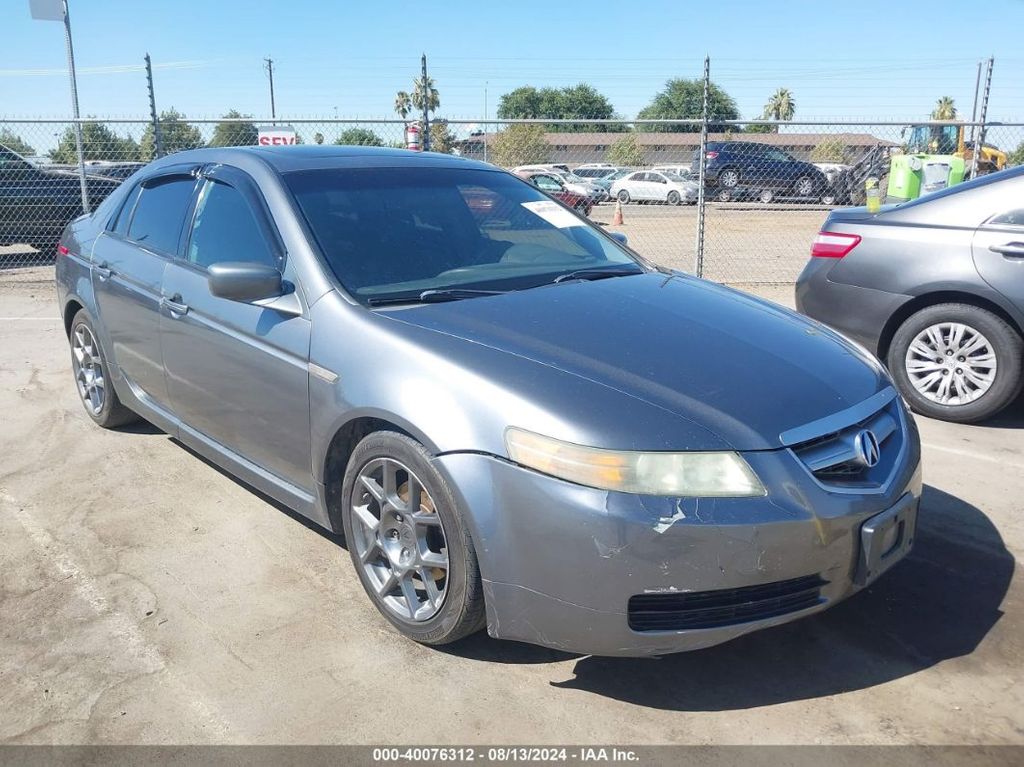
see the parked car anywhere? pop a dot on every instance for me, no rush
(651, 186)
(553, 186)
(595, 174)
(935, 287)
(732, 164)
(683, 171)
(36, 203)
(575, 184)
(606, 181)
(472, 395)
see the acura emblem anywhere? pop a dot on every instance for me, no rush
(865, 445)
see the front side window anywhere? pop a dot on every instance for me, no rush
(395, 232)
(160, 212)
(225, 229)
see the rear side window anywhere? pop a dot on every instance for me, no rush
(1010, 218)
(160, 212)
(226, 229)
(125, 215)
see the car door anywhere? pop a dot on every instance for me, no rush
(658, 185)
(237, 373)
(998, 250)
(128, 262)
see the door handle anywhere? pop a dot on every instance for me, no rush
(103, 271)
(173, 304)
(1009, 249)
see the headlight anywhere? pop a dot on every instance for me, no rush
(705, 474)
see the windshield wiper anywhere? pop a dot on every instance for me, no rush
(435, 296)
(598, 273)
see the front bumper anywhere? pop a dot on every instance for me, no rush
(560, 562)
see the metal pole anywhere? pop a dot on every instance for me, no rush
(974, 107)
(425, 95)
(270, 72)
(158, 149)
(74, 108)
(703, 168)
(979, 142)
(486, 83)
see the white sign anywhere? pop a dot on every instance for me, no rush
(276, 135)
(553, 213)
(46, 10)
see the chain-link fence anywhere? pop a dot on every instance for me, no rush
(767, 186)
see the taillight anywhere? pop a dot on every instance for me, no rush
(833, 244)
(62, 250)
(711, 155)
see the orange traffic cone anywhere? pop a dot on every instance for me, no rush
(617, 218)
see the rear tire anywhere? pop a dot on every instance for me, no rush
(453, 603)
(925, 359)
(804, 187)
(92, 376)
(766, 196)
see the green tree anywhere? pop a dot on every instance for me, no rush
(99, 142)
(683, 99)
(758, 128)
(176, 135)
(577, 101)
(413, 101)
(781, 105)
(626, 151)
(829, 150)
(1016, 157)
(441, 138)
(15, 143)
(945, 109)
(358, 137)
(521, 145)
(235, 133)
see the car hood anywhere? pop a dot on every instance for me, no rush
(745, 369)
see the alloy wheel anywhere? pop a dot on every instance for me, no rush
(729, 178)
(804, 187)
(951, 363)
(88, 368)
(400, 540)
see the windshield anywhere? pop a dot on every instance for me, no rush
(392, 232)
(933, 139)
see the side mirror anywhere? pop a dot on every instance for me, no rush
(620, 236)
(244, 281)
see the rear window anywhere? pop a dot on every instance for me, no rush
(160, 213)
(388, 232)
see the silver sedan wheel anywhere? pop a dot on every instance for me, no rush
(400, 540)
(88, 368)
(951, 363)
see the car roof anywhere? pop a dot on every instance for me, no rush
(316, 157)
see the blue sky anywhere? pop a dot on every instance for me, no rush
(864, 59)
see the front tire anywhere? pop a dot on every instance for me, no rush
(409, 542)
(804, 187)
(92, 376)
(957, 362)
(729, 178)
(766, 196)
(623, 196)
(673, 198)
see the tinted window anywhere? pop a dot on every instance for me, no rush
(225, 229)
(160, 212)
(1010, 218)
(394, 232)
(125, 215)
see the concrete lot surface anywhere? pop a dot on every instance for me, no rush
(146, 597)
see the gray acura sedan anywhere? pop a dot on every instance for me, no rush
(515, 420)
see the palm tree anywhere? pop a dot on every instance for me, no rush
(945, 109)
(430, 92)
(781, 106)
(403, 104)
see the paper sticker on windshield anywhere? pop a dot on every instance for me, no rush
(553, 213)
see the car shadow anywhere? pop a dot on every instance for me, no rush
(938, 604)
(1012, 417)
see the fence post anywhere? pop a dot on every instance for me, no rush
(425, 95)
(74, 105)
(701, 198)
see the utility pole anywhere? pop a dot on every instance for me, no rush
(269, 66)
(158, 149)
(425, 95)
(980, 140)
(703, 168)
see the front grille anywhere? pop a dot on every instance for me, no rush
(677, 611)
(833, 459)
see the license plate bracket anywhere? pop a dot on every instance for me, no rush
(885, 539)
